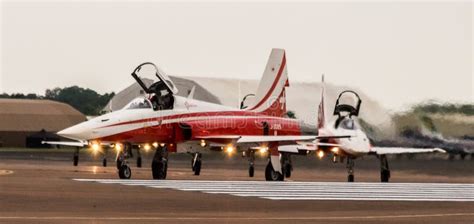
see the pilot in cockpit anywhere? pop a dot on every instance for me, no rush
(161, 98)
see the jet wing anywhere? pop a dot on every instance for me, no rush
(270, 138)
(401, 150)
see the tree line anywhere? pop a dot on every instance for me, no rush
(87, 101)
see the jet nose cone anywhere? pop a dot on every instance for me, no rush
(76, 132)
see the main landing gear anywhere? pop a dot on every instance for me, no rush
(196, 163)
(384, 169)
(350, 169)
(159, 165)
(287, 166)
(251, 155)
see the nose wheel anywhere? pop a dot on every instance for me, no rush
(123, 167)
(125, 172)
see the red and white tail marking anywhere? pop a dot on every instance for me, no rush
(270, 98)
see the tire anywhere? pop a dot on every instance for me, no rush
(287, 170)
(75, 160)
(197, 168)
(125, 172)
(251, 171)
(384, 176)
(104, 162)
(350, 178)
(159, 168)
(271, 174)
(139, 162)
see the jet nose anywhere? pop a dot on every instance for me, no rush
(76, 132)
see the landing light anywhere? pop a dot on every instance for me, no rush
(155, 144)
(263, 150)
(335, 150)
(147, 147)
(118, 147)
(229, 149)
(320, 154)
(95, 146)
(203, 143)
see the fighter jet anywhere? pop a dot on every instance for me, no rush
(357, 144)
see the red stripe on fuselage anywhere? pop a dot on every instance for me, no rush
(190, 115)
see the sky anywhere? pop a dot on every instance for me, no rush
(399, 53)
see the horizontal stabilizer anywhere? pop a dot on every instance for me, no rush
(400, 150)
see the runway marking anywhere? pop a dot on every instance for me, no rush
(313, 190)
(233, 218)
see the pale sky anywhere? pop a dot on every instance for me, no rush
(399, 53)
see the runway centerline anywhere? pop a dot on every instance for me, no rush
(313, 190)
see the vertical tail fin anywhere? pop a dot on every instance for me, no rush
(270, 97)
(321, 116)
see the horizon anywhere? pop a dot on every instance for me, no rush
(396, 60)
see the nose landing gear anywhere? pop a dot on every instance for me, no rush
(123, 167)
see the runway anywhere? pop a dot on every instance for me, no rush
(313, 190)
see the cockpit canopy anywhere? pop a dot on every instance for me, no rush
(348, 103)
(138, 103)
(152, 79)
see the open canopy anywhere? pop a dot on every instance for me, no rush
(149, 71)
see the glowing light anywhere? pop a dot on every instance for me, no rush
(335, 150)
(147, 147)
(320, 153)
(95, 146)
(118, 147)
(229, 149)
(203, 143)
(263, 150)
(162, 144)
(155, 144)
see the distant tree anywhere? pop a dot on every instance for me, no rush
(87, 101)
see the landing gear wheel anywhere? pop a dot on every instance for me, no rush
(75, 160)
(159, 165)
(384, 176)
(251, 171)
(159, 169)
(104, 162)
(197, 168)
(271, 174)
(125, 172)
(350, 178)
(139, 162)
(287, 170)
(196, 163)
(384, 169)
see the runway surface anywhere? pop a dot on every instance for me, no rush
(42, 188)
(314, 190)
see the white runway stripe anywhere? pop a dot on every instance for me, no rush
(313, 190)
